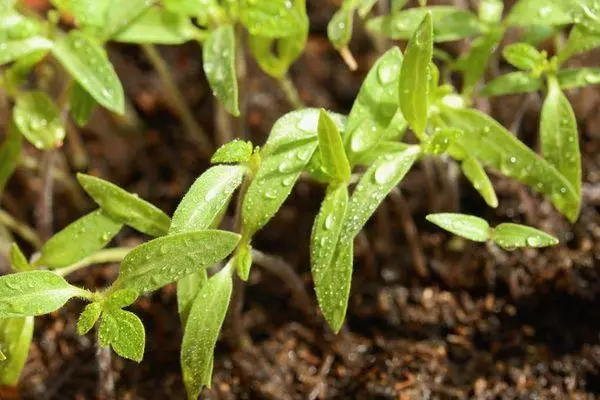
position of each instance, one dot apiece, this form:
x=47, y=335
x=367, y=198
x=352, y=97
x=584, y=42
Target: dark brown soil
x=479, y=322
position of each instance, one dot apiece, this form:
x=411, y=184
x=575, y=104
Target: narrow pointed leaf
x=13, y=50
x=523, y=56
x=187, y=290
x=15, y=338
x=243, y=260
x=467, y=226
x=559, y=136
x=169, y=258
x=218, y=53
x=202, y=331
x=333, y=155
x=121, y=14
x=512, y=83
x=414, y=75
x=236, y=151
x=375, y=106
x=474, y=63
x=10, y=154
x=90, y=232
x=511, y=236
x=474, y=171
x=209, y=194
x=271, y=18
x=33, y=293
x=339, y=29
x=536, y=12
x=82, y=105
x=570, y=78
x=89, y=316
x=126, y=207
x=38, y=119
x=158, y=26
x=87, y=62
x=124, y=332
x=18, y=260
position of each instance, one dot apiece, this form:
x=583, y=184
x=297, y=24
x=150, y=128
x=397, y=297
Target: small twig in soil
x=410, y=230
x=20, y=228
x=291, y=93
x=106, y=383
x=348, y=58
x=194, y=131
x=43, y=212
x=319, y=389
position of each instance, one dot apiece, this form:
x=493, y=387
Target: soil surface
x=430, y=315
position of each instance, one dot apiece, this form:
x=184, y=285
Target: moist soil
x=430, y=315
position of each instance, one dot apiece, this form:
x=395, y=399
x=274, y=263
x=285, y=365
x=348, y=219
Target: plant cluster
x=360, y=157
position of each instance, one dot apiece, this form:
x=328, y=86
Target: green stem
x=194, y=131
x=103, y=256
x=290, y=92
x=21, y=229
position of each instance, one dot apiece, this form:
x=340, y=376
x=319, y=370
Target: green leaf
x=449, y=23
x=13, y=50
x=15, y=338
x=440, y=140
x=86, y=12
x=90, y=233
x=16, y=26
x=124, y=332
x=87, y=62
x=187, y=290
x=333, y=155
x=169, y=258
x=89, y=316
x=33, y=293
x=288, y=150
x=535, y=35
x=559, y=136
x=126, y=207
x=18, y=73
x=339, y=29
x=158, y=26
x=512, y=83
x=206, y=198
x=82, y=105
x=236, y=151
x=243, y=260
x=271, y=18
x=202, y=331
x=511, y=236
x=10, y=154
x=38, y=118
x=375, y=184
x=324, y=242
x=381, y=149
x=121, y=14
x=494, y=146
x=202, y=9
x=120, y=299
x=474, y=171
x=540, y=12
x=218, y=52
x=375, y=106
x=467, y=226
x=490, y=11
x=571, y=78
x=365, y=7
x=18, y=260
x=580, y=41
x=523, y=56
x=414, y=75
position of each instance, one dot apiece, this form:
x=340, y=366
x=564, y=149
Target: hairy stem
x=21, y=229
x=290, y=92
x=106, y=382
x=43, y=210
x=194, y=131
x=103, y=256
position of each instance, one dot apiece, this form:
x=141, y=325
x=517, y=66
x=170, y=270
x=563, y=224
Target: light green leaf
x=187, y=290
x=82, y=105
x=10, y=154
x=571, y=78
x=126, y=207
x=467, y=226
x=376, y=105
x=535, y=35
x=414, y=77
x=440, y=140
x=512, y=83
x=333, y=155
x=218, y=53
x=202, y=331
x=271, y=18
x=18, y=260
x=90, y=232
x=158, y=26
x=365, y=7
x=15, y=338
x=202, y=9
x=243, y=260
x=33, y=293
x=236, y=151
x=124, y=332
x=18, y=73
x=87, y=62
x=290, y=146
x=206, y=198
x=38, y=118
x=490, y=11
x=511, y=236
x=120, y=299
x=449, y=23
x=16, y=26
x=339, y=29
x=523, y=56
x=121, y=14
x=381, y=149
x=540, y=12
x=13, y=50
x=86, y=12
x=474, y=171
x=169, y=258
x=494, y=146
x=89, y=316
x=580, y=41
x=559, y=136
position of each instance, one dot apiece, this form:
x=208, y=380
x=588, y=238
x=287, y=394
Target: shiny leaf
x=333, y=156
x=339, y=29
x=82, y=105
x=187, y=290
x=120, y=299
x=38, y=119
x=490, y=11
x=124, y=332
x=271, y=18
x=15, y=338
x=467, y=226
x=158, y=26
x=236, y=151
x=540, y=12
x=580, y=41
x=121, y=14
x=510, y=236
x=512, y=83
x=17, y=259
x=474, y=171
x=474, y=63
x=218, y=53
x=570, y=78
x=523, y=56
x=89, y=316
x=12, y=50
